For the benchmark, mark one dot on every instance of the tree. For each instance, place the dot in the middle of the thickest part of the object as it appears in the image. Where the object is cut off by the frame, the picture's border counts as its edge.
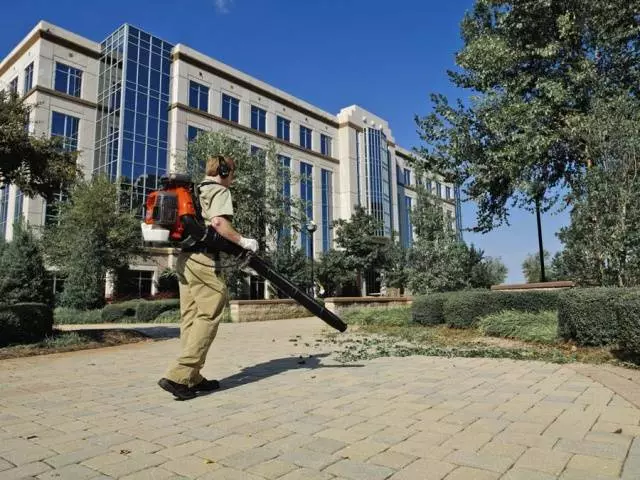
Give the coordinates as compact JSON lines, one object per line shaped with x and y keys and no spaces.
{"x":38,"y":166}
{"x":483,"y":272}
{"x":263,"y":206}
{"x":93,"y":236}
{"x":531,"y":267}
{"x":437,"y":260}
{"x":333,"y":274}
{"x":532,"y":69}
{"x":364,"y":248}
{"x":602,"y":243}
{"x":23,"y":277}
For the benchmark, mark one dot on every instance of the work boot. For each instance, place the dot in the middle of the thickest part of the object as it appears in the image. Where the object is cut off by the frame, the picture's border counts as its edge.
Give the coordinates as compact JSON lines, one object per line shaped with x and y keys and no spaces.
{"x":206,"y":386}
{"x":180,"y":391}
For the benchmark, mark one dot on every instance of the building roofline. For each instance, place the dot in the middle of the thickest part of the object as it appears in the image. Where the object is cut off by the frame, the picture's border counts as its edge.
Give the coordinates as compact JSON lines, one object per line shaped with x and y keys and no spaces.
{"x":59,"y":36}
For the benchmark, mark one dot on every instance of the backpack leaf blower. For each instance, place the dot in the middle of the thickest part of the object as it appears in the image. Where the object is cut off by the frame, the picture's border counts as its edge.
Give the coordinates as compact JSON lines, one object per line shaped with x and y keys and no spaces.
{"x":173,"y":217}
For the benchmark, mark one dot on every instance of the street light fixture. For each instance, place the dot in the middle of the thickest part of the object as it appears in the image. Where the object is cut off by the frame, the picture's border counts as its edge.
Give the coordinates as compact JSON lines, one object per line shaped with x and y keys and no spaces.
{"x":311,"y":228}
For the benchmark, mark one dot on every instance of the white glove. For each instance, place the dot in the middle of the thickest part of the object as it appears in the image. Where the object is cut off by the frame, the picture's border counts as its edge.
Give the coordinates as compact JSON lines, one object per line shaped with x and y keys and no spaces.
{"x":249,"y":244}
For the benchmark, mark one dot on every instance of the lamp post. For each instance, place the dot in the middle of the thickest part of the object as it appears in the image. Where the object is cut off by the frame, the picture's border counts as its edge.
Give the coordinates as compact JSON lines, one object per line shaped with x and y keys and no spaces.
{"x":311,"y":228}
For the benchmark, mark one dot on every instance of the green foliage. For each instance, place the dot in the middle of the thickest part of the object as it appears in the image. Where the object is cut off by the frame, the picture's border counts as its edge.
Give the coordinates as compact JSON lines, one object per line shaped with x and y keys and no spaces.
{"x":22,"y":271}
{"x":123,"y":312}
{"x":464,"y":309}
{"x":36,"y":165}
{"x":293,"y":263}
{"x":602,"y":243}
{"x":393,"y":316}
{"x":332,"y":272}
{"x":360,"y":239}
{"x":92,"y":236}
{"x":168,"y":282}
{"x":168,"y":316}
{"x":539,"y":327}
{"x":429,"y":309}
{"x":25,"y":322}
{"x":590,"y":315}
{"x":66,"y":339}
{"x":628,"y":314}
{"x":531,"y":268}
{"x":71,"y":316}
{"x":532,"y":71}
{"x":148,"y":311}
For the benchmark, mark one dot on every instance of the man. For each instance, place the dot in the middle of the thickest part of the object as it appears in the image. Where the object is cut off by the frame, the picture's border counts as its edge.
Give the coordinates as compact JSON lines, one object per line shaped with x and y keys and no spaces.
{"x":203,"y":293}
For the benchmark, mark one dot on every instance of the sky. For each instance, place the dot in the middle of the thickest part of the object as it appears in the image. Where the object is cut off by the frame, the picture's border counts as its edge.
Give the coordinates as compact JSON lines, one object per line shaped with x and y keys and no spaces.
{"x":387,"y":57}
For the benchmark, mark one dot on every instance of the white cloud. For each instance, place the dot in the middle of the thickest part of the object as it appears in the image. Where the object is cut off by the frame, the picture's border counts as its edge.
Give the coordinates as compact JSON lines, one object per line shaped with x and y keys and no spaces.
{"x":223,"y":6}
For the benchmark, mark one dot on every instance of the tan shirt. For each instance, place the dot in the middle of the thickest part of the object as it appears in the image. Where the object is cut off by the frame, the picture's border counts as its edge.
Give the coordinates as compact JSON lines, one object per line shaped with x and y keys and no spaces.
{"x":215,"y":201}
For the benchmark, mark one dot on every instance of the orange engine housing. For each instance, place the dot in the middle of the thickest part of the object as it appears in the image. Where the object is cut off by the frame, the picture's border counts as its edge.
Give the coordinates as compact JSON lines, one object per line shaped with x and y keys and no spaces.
{"x":165,"y":207}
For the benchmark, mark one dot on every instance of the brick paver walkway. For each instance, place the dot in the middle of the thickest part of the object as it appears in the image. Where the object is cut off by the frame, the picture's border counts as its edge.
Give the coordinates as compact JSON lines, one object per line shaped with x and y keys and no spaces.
{"x":100,"y":414}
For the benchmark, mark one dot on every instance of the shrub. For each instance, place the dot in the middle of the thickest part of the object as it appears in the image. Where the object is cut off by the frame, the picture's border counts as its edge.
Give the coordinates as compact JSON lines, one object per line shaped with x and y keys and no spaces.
{"x":70,"y":316}
{"x":23,"y":277}
{"x":464,"y":309}
{"x":118,"y":311}
{"x":25,"y":322}
{"x":628,"y":313}
{"x":168,"y":316}
{"x":528,"y":326}
{"x":428,"y":309}
{"x":589,"y":315}
{"x":147,"y":311}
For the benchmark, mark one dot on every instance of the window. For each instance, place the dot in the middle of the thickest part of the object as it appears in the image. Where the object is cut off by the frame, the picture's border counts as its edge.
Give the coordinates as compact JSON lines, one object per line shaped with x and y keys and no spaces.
{"x":193,"y":132}
{"x":230,"y":108}
{"x":438,"y":190}
{"x":327,"y":217}
{"x":68,"y":79}
{"x":284,"y":181}
{"x":52,"y":211}
{"x":258,"y":119}
{"x":306,"y":195}
{"x":305,"y":137}
{"x":17,"y":210}
{"x":66,"y":128}
{"x":325,"y":145}
{"x":448,"y":193}
{"x":284,"y":129}
{"x":4,"y":209}
{"x":429,"y":185}
{"x":258,"y":152}
{"x":28,"y":78}
{"x":408,"y":230}
{"x":198,"y":96}
{"x":13,"y":86}
{"x":407,"y":176}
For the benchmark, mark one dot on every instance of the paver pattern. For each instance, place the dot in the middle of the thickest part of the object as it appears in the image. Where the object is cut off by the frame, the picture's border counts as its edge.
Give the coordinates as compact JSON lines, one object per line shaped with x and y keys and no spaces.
{"x":288,"y":411}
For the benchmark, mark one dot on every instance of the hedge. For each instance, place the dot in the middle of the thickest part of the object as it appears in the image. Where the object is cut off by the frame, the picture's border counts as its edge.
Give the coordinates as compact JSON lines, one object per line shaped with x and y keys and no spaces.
{"x":591,"y":316}
{"x":464,"y":309}
{"x":148,"y":311}
{"x":428,"y":309}
{"x":116,"y":312}
{"x":628,"y":314}
{"x":25,"y":322}
{"x":71,"y":316}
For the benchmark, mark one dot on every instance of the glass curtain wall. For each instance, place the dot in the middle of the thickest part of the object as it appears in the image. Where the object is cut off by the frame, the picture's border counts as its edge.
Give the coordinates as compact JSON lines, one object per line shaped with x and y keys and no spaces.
{"x":133,"y":120}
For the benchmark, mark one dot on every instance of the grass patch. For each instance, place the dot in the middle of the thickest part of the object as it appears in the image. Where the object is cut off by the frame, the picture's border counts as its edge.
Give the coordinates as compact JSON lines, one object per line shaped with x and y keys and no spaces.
{"x":541,"y":327}
{"x":71,"y":316}
{"x":391,"y":317}
{"x":69,"y":341}
{"x":377,"y":333}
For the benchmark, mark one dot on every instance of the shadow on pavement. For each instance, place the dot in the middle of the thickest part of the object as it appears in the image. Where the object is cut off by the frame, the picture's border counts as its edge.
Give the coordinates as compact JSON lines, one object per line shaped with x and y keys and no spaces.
{"x":274,"y":367}
{"x":159,"y":332}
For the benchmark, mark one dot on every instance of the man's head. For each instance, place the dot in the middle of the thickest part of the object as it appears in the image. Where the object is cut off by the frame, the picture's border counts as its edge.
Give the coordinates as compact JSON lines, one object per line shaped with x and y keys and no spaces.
{"x":222,"y":168}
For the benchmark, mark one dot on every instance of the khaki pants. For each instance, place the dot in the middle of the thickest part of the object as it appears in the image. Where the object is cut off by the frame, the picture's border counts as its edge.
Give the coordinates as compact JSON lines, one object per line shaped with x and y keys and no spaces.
{"x":203,"y":296}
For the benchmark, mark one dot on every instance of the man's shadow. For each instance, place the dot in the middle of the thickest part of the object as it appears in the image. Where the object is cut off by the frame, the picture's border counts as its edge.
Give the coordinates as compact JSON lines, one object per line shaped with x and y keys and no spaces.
{"x":276,"y":366}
